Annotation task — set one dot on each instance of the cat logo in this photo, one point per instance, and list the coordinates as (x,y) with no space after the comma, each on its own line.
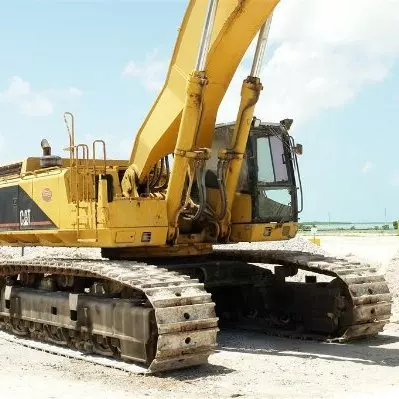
(24,217)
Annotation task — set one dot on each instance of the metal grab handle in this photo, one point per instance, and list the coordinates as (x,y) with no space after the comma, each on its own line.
(104,155)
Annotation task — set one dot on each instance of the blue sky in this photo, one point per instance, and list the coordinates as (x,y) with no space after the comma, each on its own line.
(335,70)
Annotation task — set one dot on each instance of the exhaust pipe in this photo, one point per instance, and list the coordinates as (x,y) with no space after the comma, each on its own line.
(47,160)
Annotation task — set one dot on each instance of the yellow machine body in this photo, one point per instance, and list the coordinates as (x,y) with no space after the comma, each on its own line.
(74,215)
(86,201)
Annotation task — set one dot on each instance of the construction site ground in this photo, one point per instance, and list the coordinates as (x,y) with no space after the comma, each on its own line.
(246,364)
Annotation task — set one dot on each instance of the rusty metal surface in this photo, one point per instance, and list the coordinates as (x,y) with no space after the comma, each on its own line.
(367,298)
(184,312)
(11,170)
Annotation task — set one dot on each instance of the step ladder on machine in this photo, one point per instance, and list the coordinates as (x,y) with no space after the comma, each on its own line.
(83,184)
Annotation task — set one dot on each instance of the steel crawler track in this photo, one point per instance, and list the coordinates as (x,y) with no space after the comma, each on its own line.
(368,302)
(186,325)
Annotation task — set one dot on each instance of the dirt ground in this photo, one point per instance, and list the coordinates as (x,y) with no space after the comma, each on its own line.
(245,364)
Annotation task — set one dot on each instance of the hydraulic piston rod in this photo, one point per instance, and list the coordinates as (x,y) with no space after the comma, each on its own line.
(188,158)
(261,48)
(206,35)
(230,159)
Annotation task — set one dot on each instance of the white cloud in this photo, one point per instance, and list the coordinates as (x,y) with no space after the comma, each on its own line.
(324,54)
(20,94)
(355,23)
(367,166)
(151,73)
(75,92)
(320,55)
(35,103)
(63,94)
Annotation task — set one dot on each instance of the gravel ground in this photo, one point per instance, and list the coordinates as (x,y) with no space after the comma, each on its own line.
(245,365)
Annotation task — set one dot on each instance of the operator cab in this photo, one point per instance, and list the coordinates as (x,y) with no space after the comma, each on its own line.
(268,171)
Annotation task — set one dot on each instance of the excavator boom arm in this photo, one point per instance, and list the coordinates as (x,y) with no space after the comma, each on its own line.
(236,24)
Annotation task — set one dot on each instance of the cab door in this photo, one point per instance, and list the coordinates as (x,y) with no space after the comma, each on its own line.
(274,191)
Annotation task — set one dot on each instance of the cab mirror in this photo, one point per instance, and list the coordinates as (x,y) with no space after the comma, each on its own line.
(298,149)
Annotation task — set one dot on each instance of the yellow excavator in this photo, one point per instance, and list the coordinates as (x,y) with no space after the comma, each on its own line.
(162,288)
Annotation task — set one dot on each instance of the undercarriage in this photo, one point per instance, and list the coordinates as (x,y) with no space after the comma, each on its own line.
(163,314)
